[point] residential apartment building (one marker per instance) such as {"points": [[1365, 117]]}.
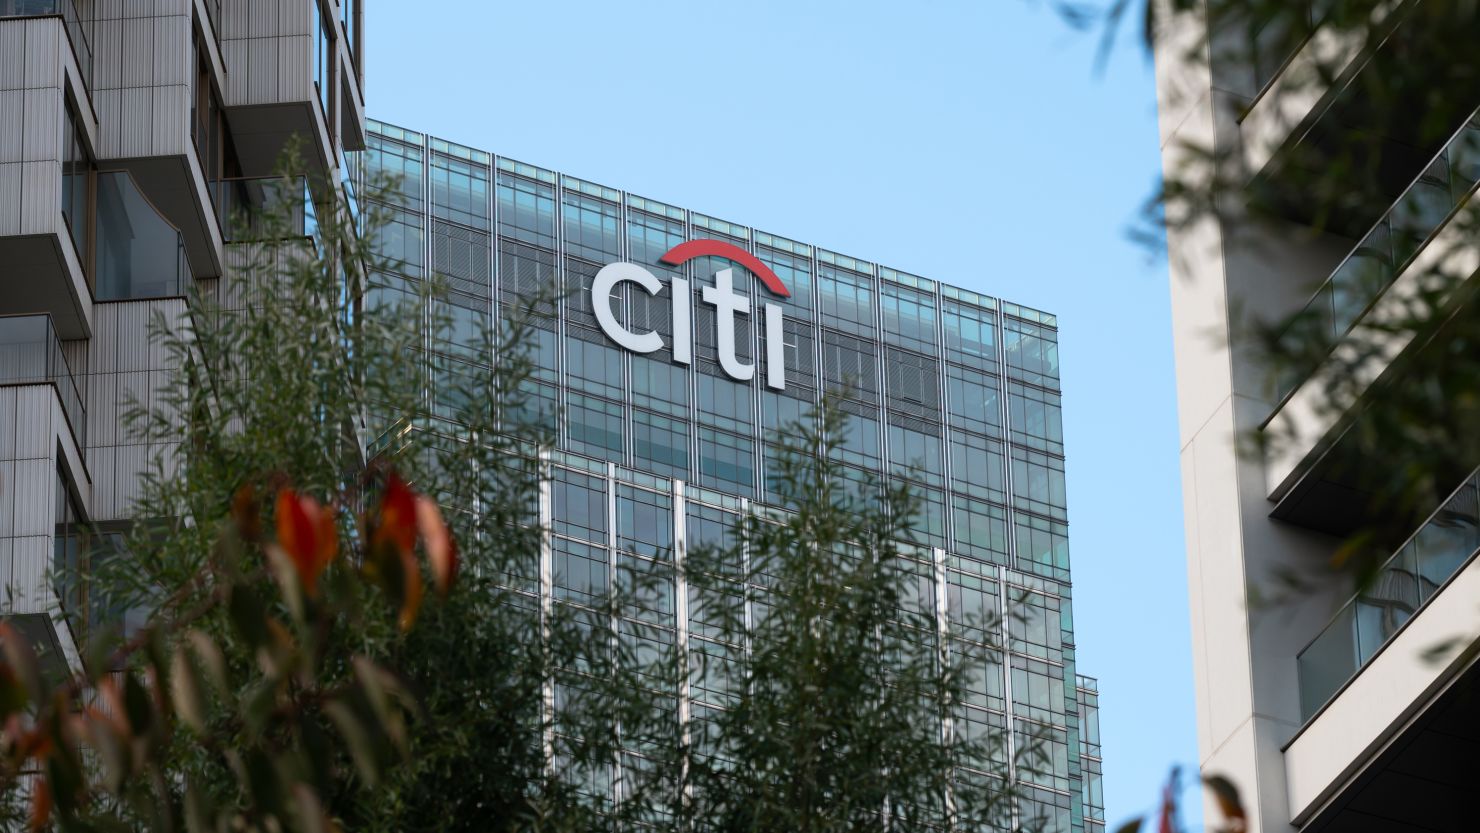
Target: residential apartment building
{"points": [[671, 395], [131, 135], [1329, 713]]}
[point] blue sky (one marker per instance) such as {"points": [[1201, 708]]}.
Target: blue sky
{"points": [[969, 142]]}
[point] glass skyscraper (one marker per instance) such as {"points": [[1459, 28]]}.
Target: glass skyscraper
{"points": [[955, 392]]}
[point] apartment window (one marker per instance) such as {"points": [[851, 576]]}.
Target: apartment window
{"points": [[77, 184], [459, 191], [323, 59], [526, 210]]}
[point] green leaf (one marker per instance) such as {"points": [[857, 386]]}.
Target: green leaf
{"points": [[22, 661], [211, 659], [361, 746], [248, 616], [199, 817], [185, 692], [1132, 826], [136, 705]]}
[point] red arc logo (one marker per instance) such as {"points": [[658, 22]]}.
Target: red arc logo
{"points": [[685, 252]]}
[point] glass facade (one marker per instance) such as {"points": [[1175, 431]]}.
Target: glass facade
{"points": [[955, 393]]}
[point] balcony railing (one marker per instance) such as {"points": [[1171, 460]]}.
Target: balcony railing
{"points": [[75, 25], [1408, 581], [263, 208], [31, 353], [139, 253], [1386, 250]]}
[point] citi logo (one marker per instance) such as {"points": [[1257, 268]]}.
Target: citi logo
{"points": [[722, 296]]}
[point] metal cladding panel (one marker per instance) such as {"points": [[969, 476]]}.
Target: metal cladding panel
{"points": [[12, 54], [10, 195], [41, 128], [40, 204], [32, 502], [30, 558], [43, 53], [7, 430], [293, 67]]}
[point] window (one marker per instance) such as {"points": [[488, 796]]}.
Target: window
{"points": [[794, 271], [659, 385], [980, 529], [649, 237], [526, 210], [978, 467], [1032, 352], [459, 191], [1035, 417], [970, 336], [592, 367], [462, 257], [1042, 546], [323, 59], [644, 522], [914, 383], [1048, 767], [850, 364], [909, 318], [591, 227], [981, 682], [725, 404], [725, 461], [460, 325], [538, 409], [972, 400], [660, 444], [973, 608], [930, 516], [1034, 627], [707, 526], [595, 427], [847, 299], [915, 454], [860, 442], [1038, 484], [400, 242], [582, 572], [401, 163], [77, 169], [579, 505]]}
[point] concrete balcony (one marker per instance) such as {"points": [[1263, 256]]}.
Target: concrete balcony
{"points": [[289, 74], [145, 91], [42, 261], [1419, 240]]}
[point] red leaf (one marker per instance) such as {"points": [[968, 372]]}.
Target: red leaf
{"points": [[441, 549], [40, 804], [306, 531], [411, 590], [397, 516]]}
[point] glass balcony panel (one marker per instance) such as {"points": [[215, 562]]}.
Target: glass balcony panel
{"points": [[1448, 540], [265, 208], [1387, 605], [1327, 663], [30, 353], [139, 253], [1406, 228]]}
